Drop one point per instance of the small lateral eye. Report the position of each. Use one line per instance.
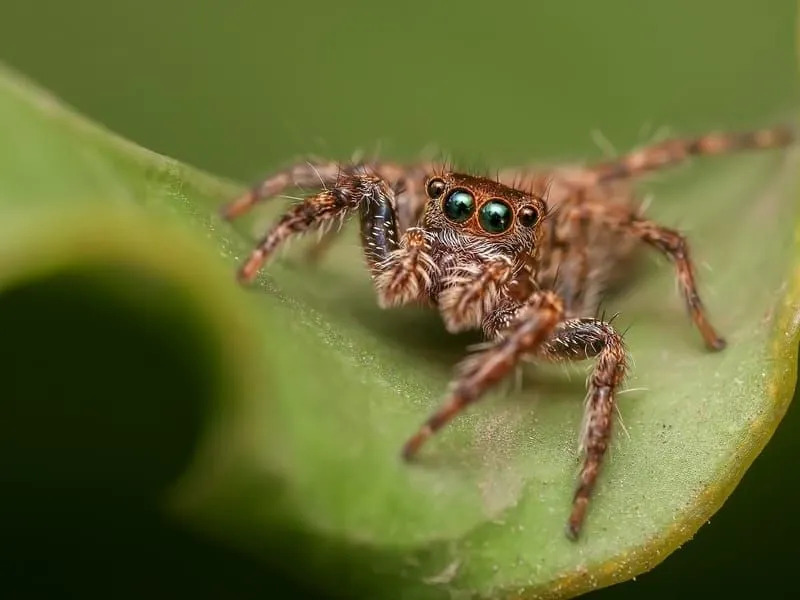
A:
(495, 216)
(459, 205)
(435, 188)
(528, 216)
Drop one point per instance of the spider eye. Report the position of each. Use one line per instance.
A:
(435, 188)
(528, 216)
(459, 206)
(495, 216)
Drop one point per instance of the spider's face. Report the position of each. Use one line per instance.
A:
(468, 211)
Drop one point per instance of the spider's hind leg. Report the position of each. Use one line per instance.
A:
(675, 247)
(672, 152)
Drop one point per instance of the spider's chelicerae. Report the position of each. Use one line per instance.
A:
(523, 256)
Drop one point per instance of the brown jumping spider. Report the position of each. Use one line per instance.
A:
(523, 256)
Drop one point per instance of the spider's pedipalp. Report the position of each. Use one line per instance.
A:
(471, 291)
(406, 274)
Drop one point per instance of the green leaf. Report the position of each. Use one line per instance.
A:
(270, 420)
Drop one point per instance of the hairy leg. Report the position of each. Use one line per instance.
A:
(579, 339)
(672, 244)
(401, 266)
(672, 152)
(316, 211)
(531, 325)
(404, 180)
(573, 243)
(648, 159)
(311, 175)
(675, 246)
(407, 209)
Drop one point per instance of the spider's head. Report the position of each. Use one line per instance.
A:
(466, 210)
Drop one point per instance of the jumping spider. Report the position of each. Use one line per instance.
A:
(524, 257)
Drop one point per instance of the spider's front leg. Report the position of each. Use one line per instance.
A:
(402, 267)
(579, 339)
(538, 329)
(298, 175)
(529, 326)
(351, 191)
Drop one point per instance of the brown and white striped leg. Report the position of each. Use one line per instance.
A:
(532, 325)
(672, 152)
(309, 175)
(405, 180)
(676, 248)
(574, 269)
(579, 339)
(350, 193)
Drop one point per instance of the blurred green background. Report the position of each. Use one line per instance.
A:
(238, 88)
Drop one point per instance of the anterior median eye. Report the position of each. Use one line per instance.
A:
(459, 206)
(495, 216)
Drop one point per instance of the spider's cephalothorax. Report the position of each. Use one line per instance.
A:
(475, 245)
(523, 257)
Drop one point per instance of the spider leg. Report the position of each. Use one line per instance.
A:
(318, 174)
(407, 204)
(671, 243)
(402, 268)
(672, 152)
(351, 192)
(574, 243)
(648, 159)
(299, 175)
(532, 325)
(579, 339)
(676, 248)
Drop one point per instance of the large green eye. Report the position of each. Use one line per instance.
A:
(459, 206)
(495, 216)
